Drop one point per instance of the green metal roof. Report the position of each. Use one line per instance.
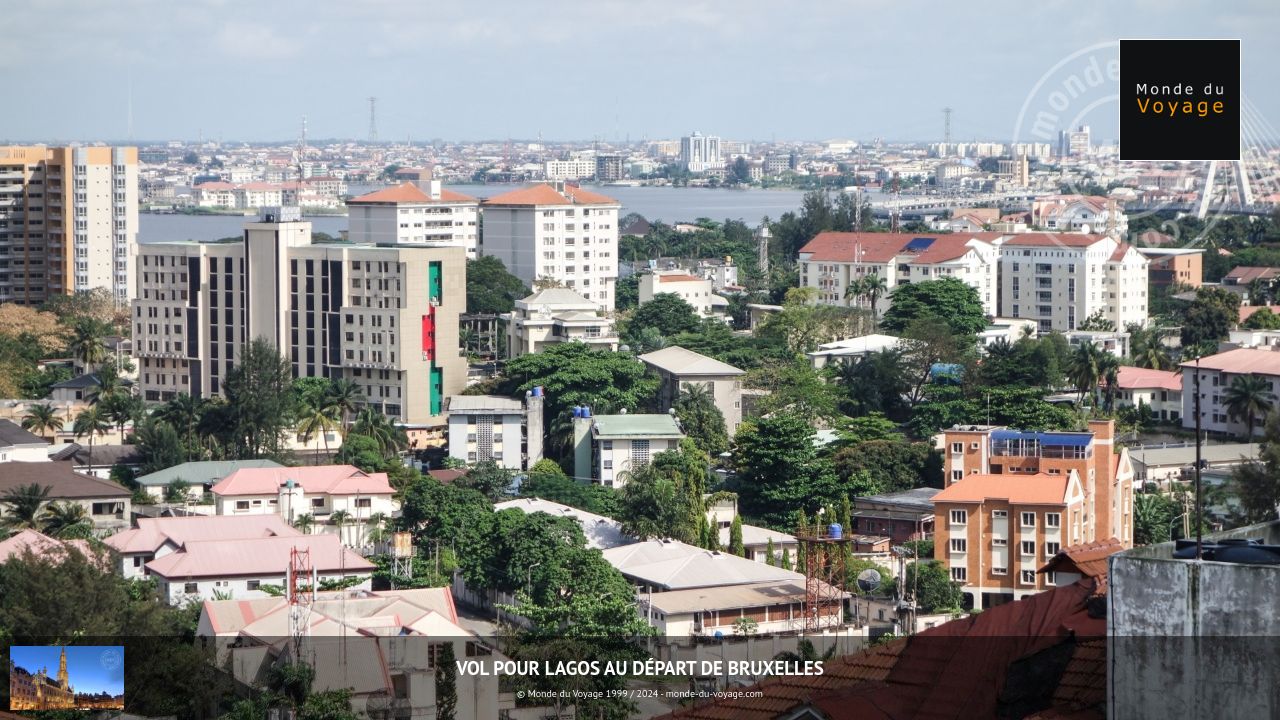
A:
(200, 473)
(640, 426)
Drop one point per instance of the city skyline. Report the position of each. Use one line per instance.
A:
(606, 70)
(90, 669)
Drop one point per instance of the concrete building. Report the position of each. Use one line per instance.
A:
(556, 315)
(1079, 214)
(408, 215)
(901, 516)
(997, 530)
(1106, 475)
(1062, 279)
(385, 318)
(317, 491)
(609, 168)
(1163, 465)
(1160, 391)
(488, 427)
(1174, 266)
(68, 221)
(557, 232)
(1075, 143)
(1195, 638)
(201, 476)
(679, 368)
(852, 349)
(19, 445)
(700, 153)
(578, 168)
(695, 290)
(106, 503)
(606, 447)
(833, 261)
(157, 537)
(602, 533)
(1216, 373)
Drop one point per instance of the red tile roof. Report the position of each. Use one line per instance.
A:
(1121, 250)
(1241, 361)
(1087, 559)
(544, 194)
(1136, 378)
(883, 247)
(1244, 274)
(1037, 489)
(409, 193)
(322, 479)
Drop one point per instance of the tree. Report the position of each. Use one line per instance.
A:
(390, 437)
(1153, 517)
(1248, 397)
(42, 419)
(87, 345)
(91, 421)
(932, 587)
(304, 523)
(1147, 346)
(1089, 363)
(42, 328)
(159, 445)
(1098, 322)
(929, 341)
(345, 398)
(735, 537)
(318, 418)
(663, 499)
(23, 505)
(1262, 319)
(331, 705)
(794, 386)
(66, 520)
(547, 481)
(177, 491)
(446, 684)
(949, 299)
(700, 419)
(802, 324)
(491, 289)
(1209, 319)
(874, 383)
(879, 466)
(258, 392)
(339, 519)
(182, 412)
(626, 293)
(779, 470)
(667, 313)
(488, 478)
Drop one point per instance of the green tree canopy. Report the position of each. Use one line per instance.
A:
(667, 313)
(259, 395)
(701, 420)
(952, 300)
(491, 289)
(780, 471)
(932, 587)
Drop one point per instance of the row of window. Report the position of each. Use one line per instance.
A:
(1052, 520)
(1028, 547)
(1027, 577)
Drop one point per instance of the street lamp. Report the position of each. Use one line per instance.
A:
(528, 578)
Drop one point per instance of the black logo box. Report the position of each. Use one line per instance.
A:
(1187, 69)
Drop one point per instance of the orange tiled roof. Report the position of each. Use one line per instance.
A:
(1037, 489)
(409, 193)
(1134, 378)
(833, 246)
(1241, 361)
(678, 278)
(544, 194)
(1088, 559)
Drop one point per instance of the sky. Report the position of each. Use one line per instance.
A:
(90, 668)
(574, 69)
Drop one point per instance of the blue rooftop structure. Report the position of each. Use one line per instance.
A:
(919, 244)
(1021, 443)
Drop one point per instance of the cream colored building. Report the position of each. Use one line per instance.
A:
(1061, 279)
(556, 232)
(556, 315)
(696, 291)
(680, 368)
(385, 318)
(68, 221)
(607, 447)
(408, 215)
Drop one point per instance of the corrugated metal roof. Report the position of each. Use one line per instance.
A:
(639, 425)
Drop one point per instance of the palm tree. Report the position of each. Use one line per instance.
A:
(1111, 376)
(1087, 368)
(1248, 396)
(1148, 348)
(108, 383)
(873, 286)
(182, 411)
(66, 520)
(855, 289)
(340, 518)
(87, 346)
(805, 652)
(377, 530)
(345, 397)
(24, 504)
(317, 420)
(121, 408)
(42, 419)
(304, 523)
(370, 421)
(91, 421)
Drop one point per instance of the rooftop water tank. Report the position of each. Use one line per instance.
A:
(835, 531)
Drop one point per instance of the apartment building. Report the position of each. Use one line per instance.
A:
(556, 315)
(384, 317)
(607, 447)
(679, 369)
(833, 261)
(408, 215)
(696, 291)
(1174, 266)
(1106, 476)
(699, 153)
(501, 429)
(1061, 279)
(1216, 373)
(68, 221)
(994, 531)
(577, 168)
(1159, 391)
(556, 232)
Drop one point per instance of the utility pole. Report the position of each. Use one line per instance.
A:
(1199, 499)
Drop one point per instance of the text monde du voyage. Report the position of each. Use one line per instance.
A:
(1180, 99)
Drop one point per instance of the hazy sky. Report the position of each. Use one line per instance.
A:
(569, 69)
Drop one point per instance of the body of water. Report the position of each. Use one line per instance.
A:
(667, 204)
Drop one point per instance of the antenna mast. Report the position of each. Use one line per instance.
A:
(373, 119)
(946, 126)
(301, 597)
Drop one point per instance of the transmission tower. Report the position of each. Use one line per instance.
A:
(946, 126)
(373, 119)
(824, 550)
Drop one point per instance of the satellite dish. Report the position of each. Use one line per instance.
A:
(869, 579)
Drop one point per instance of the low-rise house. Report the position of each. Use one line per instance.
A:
(102, 461)
(386, 649)
(1112, 342)
(1163, 465)
(19, 445)
(556, 315)
(156, 537)
(606, 447)
(679, 369)
(488, 427)
(902, 516)
(602, 532)
(106, 502)
(695, 290)
(1216, 373)
(200, 475)
(237, 569)
(756, 542)
(81, 387)
(852, 349)
(1160, 391)
(318, 491)
(42, 546)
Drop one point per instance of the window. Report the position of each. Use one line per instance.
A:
(959, 517)
(957, 447)
(999, 542)
(1051, 549)
(242, 505)
(959, 574)
(317, 502)
(364, 502)
(1028, 577)
(606, 444)
(137, 561)
(1053, 520)
(1029, 547)
(608, 464)
(191, 588)
(1028, 519)
(999, 514)
(999, 571)
(254, 584)
(959, 545)
(957, 475)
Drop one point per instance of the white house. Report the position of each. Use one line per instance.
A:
(850, 350)
(556, 315)
(606, 447)
(21, 446)
(319, 491)
(200, 475)
(1159, 390)
(697, 291)
(1216, 373)
(156, 537)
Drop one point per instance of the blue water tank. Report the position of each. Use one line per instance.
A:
(835, 531)
(577, 411)
(586, 411)
(537, 391)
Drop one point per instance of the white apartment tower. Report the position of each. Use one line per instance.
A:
(556, 232)
(408, 215)
(700, 152)
(1059, 280)
(383, 317)
(68, 221)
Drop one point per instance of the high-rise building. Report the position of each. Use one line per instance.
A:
(556, 232)
(413, 215)
(68, 221)
(700, 152)
(1075, 143)
(608, 168)
(385, 318)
